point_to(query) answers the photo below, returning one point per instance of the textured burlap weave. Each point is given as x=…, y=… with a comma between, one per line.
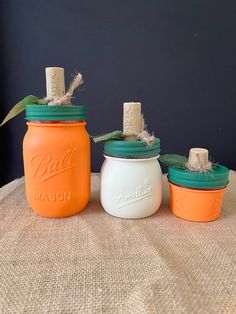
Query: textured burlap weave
x=95, y=263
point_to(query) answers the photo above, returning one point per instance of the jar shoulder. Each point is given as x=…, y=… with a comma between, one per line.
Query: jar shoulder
x=55, y=136
x=131, y=170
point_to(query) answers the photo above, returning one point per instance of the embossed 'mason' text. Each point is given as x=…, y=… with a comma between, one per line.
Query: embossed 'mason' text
x=45, y=166
x=52, y=197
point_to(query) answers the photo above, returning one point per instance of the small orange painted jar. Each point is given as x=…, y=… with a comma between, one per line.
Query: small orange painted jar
x=56, y=152
x=197, y=196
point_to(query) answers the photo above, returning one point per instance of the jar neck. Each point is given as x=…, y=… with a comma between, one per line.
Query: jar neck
x=56, y=121
x=197, y=189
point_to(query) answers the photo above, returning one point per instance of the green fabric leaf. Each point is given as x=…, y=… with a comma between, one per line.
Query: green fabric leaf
x=43, y=101
x=116, y=135
x=173, y=160
x=20, y=106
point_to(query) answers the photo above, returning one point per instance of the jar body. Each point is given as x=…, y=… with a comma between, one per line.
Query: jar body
x=131, y=188
x=57, y=167
x=200, y=205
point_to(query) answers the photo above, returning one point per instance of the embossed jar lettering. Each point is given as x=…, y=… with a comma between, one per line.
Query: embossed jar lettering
x=45, y=166
x=52, y=197
x=141, y=192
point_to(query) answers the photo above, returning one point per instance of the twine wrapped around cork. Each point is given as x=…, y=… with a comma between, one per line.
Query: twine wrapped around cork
x=55, y=83
x=197, y=160
x=134, y=127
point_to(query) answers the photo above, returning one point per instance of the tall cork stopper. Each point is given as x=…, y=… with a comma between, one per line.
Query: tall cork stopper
x=198, y=160
x=132, y=120
x=55, y=82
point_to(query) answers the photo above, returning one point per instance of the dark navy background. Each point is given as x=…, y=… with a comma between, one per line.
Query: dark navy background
x=177, y=57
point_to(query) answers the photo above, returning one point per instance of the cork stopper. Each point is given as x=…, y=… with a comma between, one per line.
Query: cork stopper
x=132, y=120
x=198, y=160
x=55, y=82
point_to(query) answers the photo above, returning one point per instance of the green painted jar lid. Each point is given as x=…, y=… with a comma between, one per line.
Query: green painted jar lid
x=214, y=179
x=55, y=113
x=131, y=149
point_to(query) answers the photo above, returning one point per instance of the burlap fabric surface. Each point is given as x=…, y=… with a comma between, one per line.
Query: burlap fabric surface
x=95, y=263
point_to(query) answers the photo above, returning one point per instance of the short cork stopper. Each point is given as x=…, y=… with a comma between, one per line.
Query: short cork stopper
x=55, y=82
x=198, y=160
x=132, y=120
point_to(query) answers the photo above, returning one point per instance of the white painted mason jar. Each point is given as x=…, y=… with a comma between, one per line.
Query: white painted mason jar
x=131, y=179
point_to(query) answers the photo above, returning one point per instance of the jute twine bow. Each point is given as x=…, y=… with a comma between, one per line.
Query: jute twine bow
x=199, y=165
x=144, y=135
x=66, y=99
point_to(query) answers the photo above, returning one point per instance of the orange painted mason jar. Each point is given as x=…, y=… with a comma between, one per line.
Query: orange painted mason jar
x=56, y=153
x=197, y=196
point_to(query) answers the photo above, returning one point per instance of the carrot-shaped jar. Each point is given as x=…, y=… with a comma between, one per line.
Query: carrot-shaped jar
x=56, y=151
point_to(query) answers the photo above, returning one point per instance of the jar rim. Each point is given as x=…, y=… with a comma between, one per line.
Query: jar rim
x=55, y=113
x=132, y=149
x=216, y=178
x=131, y=159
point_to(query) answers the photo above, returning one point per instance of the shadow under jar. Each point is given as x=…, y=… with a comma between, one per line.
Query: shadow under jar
x=131, y=179
x=56, y=151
